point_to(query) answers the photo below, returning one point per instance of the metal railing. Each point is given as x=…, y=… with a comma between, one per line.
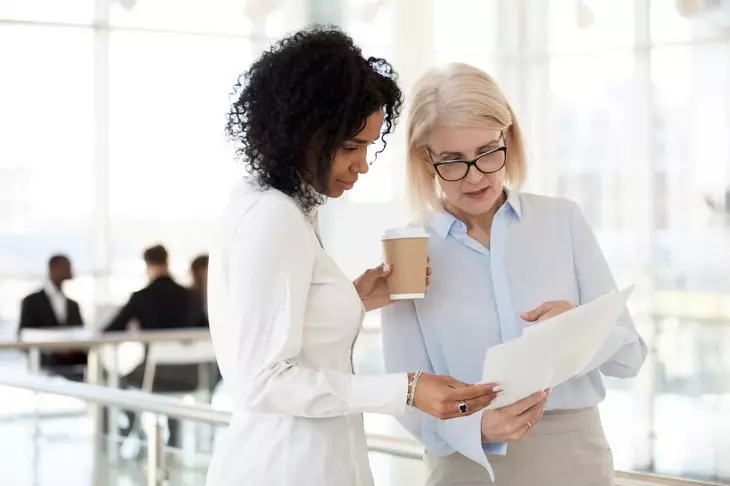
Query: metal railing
x=126, y=399
x=624, y=478
x=172, y=407
x=88, y=340
x=95, y=342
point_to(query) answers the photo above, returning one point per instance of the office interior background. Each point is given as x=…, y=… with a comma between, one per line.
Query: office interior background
x=111, y=140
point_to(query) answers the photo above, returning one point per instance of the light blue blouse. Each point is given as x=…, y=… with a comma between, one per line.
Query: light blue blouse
x=542, y=249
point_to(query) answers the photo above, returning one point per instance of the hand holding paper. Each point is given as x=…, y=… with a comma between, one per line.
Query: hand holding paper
x=552, y=351
x=547, y=310
x=515, y=421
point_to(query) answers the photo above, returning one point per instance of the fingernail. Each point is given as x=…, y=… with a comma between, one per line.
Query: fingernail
x=386, y=268
x=497, y=389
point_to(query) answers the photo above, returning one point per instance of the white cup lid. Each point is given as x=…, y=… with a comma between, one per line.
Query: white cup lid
x=407, y=232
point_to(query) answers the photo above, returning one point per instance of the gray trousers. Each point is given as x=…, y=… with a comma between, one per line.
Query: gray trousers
x=566, y=448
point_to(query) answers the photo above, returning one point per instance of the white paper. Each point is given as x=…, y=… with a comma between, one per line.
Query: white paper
x=552, y=351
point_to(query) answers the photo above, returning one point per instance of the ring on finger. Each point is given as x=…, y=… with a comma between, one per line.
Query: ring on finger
x=463, y=408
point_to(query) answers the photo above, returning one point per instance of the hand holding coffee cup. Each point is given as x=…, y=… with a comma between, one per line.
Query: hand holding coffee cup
x=372, y=286
x=406, y=253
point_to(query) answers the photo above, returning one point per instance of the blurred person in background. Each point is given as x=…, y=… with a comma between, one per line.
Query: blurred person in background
x=283, y=317
x=50, y=308
x=162, y=304
x=199, y=307
x=503, y=260
x=199, y=291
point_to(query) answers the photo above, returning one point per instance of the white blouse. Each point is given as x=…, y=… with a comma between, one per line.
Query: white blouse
x=284, y=320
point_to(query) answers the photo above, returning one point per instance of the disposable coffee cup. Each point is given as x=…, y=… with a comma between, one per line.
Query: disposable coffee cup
x=406, y=251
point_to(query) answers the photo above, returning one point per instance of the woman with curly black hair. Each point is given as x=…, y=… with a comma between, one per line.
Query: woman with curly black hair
x=283, y=317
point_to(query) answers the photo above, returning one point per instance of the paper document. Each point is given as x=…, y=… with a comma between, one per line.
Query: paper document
x=552, y=351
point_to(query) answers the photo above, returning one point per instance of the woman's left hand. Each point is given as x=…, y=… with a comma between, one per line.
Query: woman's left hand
x=372, y=286
x=547, y=310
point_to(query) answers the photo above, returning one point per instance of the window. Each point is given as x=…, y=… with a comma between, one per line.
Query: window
x=692, y=99
x=45, y=154
x=590, y=25
x=169, y=168
x=73, y=12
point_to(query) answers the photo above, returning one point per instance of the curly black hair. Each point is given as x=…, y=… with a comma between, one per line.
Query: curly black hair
x=300, y=101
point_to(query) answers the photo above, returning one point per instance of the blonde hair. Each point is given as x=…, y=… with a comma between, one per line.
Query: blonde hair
x=457, y=95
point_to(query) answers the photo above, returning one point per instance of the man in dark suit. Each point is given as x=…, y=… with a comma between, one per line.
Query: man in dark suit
x=50, y=308
x=162, y=304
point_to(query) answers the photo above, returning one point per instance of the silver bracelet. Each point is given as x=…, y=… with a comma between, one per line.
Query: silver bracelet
x=412, y=388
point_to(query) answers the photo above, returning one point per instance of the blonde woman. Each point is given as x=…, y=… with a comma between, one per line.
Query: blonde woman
x=501, y=260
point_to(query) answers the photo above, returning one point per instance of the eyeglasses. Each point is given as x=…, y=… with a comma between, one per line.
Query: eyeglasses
x=491, y=161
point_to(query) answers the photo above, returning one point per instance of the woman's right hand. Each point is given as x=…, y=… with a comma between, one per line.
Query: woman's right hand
x=514, y=421
x=441, y=396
